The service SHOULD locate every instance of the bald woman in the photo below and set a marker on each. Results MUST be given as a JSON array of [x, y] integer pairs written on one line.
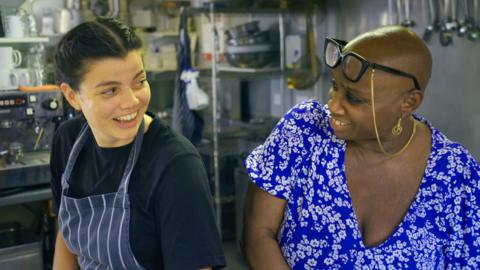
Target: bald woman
[[362, 182]]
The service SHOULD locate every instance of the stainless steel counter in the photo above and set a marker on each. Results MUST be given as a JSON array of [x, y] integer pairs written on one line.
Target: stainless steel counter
[[26, 195], [33, 170]]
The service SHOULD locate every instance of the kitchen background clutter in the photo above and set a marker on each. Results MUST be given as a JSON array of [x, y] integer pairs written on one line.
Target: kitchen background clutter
[[255, 59], [30, 110], [248, 47], [452, 93]]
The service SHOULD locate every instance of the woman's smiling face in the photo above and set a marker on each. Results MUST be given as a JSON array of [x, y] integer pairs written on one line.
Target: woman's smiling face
[[351, 103], [113, 96], [351, 106]]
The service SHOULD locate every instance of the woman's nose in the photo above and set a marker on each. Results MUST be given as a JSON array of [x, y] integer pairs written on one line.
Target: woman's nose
[[335, 100], [129, 99]]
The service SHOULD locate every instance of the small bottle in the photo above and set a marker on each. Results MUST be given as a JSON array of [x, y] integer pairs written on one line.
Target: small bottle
[[31, 26]]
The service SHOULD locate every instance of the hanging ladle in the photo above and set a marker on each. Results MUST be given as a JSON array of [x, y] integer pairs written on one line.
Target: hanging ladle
[[463, 24], [445, 31], [474, 28], [399, 12], [427, 34], [407, 22]]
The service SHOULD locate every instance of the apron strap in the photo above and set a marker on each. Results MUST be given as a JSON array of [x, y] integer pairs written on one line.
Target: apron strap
[[80, 142], [72, 157], [132, 160]]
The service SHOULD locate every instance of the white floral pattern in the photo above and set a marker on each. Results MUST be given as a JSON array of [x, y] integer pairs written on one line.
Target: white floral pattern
[[303, 162]]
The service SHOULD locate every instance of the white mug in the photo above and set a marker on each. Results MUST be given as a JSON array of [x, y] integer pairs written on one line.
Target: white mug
[[8, 80], [66, 19], [47, 25], [9, 58], [63, 17], [14, 26], [23, 77]]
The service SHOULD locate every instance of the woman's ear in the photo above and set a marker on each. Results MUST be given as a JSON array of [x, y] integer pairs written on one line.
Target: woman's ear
[[71, 96], [412, 101]]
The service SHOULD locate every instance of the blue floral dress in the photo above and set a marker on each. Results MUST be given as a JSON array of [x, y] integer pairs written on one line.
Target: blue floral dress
[[302, 162]]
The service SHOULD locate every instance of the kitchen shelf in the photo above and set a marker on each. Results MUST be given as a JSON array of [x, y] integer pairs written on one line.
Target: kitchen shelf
[[156, 35], [30, 159], [217, 145], [202, 10], [9, 40], [225, 68], [220, 70], [29, 195], [223, 72], [234, 72]]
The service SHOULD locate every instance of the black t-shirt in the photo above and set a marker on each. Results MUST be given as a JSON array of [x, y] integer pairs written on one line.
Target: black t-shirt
[[172, 223]]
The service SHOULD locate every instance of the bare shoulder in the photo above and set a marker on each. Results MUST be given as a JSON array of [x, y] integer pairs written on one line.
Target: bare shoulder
[[424, 144]]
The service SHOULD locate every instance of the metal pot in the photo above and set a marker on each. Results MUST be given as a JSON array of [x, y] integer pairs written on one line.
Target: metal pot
[[257, 38], [249, 56], [243, 30]]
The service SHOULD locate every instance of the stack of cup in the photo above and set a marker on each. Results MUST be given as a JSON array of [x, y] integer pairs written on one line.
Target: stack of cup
[[15, 22], [9, 60]]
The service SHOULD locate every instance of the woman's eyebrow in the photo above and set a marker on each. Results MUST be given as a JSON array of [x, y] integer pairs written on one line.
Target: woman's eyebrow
[[105, 83], [141, 72]]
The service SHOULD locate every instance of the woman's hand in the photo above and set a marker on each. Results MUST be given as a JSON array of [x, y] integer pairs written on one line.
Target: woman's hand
[[263, 216]]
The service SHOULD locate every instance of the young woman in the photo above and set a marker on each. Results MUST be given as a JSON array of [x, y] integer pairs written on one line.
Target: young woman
[[130, 192]]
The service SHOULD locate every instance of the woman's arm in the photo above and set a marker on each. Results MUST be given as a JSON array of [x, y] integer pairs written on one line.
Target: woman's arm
[[63, 258], [263, 216], [184, 212]]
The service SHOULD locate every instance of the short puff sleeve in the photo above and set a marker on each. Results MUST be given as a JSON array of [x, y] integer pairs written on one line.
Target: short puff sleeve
[[275, 165]]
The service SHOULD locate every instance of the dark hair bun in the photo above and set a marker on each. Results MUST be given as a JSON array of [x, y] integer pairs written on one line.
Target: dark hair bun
[[104, 37]]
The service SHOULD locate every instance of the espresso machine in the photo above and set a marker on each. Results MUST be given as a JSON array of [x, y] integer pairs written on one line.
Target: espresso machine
[[27, 123]]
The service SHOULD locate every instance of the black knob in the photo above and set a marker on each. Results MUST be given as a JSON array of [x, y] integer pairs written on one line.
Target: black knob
[[50, 104]]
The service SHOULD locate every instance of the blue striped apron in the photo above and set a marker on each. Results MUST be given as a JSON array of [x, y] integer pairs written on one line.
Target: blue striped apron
[[96, 228]]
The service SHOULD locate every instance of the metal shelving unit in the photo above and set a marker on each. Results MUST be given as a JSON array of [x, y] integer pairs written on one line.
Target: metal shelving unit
[[230, 10], [221, 71], [9, 40], [30, 195]]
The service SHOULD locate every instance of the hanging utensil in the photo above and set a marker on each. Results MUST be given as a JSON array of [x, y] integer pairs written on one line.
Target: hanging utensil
[[469, 19], [390, 12], [473, 31], [445, 32], [407, 22], [427, 34], [399, 11], [463, 22], [453, 23]]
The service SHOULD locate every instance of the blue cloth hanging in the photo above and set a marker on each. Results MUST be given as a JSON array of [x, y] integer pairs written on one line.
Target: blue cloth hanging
[[187, 122]]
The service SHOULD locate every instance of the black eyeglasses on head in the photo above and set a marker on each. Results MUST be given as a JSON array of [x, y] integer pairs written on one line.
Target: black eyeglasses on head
[[354, 65]]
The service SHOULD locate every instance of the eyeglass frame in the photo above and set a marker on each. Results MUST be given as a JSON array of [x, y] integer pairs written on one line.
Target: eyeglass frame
[[365, 63]]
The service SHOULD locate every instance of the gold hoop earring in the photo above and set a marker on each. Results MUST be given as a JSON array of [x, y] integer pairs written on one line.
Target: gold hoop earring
[[397, 129]]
